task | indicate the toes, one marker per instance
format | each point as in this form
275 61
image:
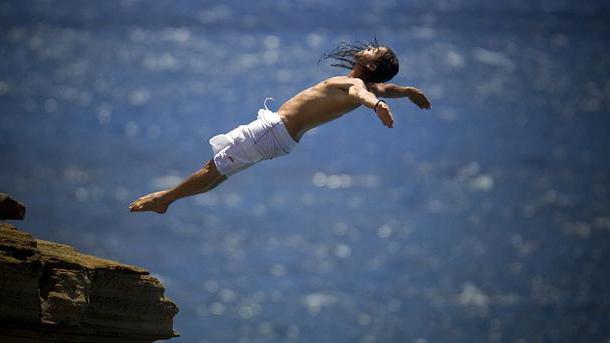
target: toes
136 207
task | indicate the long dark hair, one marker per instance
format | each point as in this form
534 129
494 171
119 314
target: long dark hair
344 55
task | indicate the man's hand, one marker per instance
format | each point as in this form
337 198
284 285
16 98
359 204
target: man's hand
418 98
384 114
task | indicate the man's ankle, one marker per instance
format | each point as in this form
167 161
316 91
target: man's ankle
169 196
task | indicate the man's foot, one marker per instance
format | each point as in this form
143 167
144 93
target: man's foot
151 202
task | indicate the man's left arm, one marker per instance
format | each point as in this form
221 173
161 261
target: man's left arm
390 90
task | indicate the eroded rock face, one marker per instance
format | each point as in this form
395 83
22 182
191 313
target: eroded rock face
11 208
50 292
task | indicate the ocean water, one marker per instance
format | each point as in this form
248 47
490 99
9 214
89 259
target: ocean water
485 219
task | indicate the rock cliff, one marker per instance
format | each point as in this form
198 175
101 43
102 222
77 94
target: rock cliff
11 208
50 292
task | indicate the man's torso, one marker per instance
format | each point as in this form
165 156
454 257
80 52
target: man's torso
316 105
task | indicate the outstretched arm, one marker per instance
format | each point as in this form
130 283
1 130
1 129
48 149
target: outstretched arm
357 90
389 90
361 94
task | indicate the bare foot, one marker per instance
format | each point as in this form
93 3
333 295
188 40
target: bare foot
151 202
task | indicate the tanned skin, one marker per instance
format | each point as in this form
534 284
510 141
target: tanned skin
312 107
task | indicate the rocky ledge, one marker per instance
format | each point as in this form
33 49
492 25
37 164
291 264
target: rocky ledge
50 292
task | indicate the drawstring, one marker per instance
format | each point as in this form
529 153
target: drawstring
270 128
265 103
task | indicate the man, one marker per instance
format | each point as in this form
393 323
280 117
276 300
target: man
274 134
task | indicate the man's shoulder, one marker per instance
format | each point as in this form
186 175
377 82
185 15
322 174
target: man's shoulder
343 81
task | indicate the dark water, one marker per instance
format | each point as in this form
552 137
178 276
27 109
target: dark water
486 219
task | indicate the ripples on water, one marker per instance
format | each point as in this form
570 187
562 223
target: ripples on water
485 219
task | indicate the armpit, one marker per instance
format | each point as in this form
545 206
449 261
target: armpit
376 88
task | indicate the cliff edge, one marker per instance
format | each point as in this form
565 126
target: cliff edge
51 292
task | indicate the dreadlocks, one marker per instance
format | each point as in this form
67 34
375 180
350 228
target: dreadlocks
345 55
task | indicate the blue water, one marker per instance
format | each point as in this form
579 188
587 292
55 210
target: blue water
486 219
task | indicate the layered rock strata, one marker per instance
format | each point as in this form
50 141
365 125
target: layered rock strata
50 292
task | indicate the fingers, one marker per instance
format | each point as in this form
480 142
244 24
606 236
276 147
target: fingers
426 102
421 101
387 119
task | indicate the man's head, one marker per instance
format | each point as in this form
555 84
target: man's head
373 62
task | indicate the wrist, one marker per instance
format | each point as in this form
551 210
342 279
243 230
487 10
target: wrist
377 104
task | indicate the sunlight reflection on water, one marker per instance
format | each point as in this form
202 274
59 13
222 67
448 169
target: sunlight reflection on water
482 220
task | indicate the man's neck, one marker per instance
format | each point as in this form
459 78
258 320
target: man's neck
355 74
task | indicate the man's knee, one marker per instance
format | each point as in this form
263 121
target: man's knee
211 168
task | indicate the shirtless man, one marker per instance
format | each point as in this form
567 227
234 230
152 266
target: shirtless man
274 134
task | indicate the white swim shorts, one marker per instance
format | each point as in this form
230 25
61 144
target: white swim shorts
263 139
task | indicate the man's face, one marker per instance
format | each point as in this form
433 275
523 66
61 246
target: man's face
370 54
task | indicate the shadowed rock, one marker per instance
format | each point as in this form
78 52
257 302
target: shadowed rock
51 292
11 208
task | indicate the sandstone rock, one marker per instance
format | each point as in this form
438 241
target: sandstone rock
51 292
11 208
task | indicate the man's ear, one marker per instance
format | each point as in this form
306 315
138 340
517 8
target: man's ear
371 66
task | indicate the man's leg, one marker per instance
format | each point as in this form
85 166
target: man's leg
201 181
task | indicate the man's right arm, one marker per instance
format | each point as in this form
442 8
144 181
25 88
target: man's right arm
363 96
356 89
